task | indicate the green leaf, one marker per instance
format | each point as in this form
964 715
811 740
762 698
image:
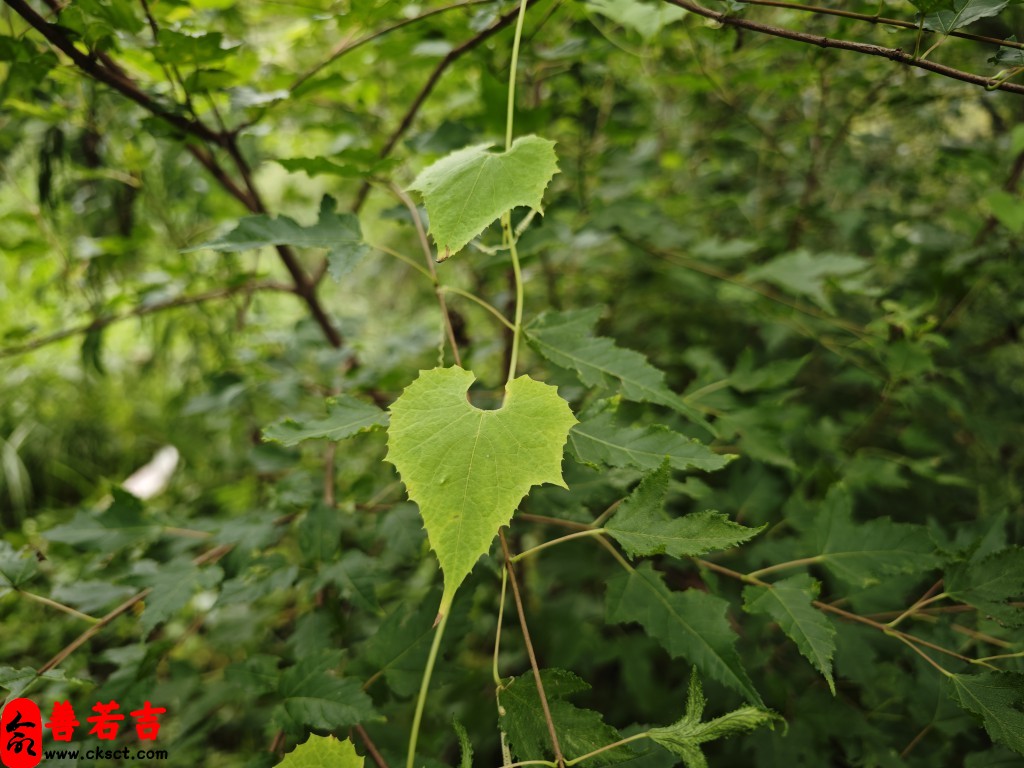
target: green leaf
861 553
467 468
690 624
173 586
579 730
465 745
1007 208
929 6
788 602
600 441
960 13
351 164
641 526
312 696
193 51
17 680
16 568
998 698
1008 56
338 232
123 523
320 534
322 752
808 274
467 190
685 737
346 416
745 377
990 583
646 18
567 339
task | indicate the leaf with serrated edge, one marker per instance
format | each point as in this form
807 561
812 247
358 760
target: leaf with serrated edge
997 697
600 441
961 13
990 584
788 602
690 624
580 731
684 737
469 189
641 526
322 752
467 468
567 339
346 416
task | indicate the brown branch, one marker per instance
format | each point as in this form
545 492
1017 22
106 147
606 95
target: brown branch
529 651
893 54
453 55
112 75
371 748
880 20
140 311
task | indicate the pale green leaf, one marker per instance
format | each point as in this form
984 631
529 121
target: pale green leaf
960 13
998 698
346 416
567 339
468 468
311 695
684 737
646 18
690 624
861 553
469 189
600 441
788 602
641 526
990 584
580 731
808 274
338 232
322 752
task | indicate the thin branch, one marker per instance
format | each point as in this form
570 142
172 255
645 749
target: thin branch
559 759
473 297
371 748
880 20
112 75
893 54
452 56
54 604
348 45
139 311
554 542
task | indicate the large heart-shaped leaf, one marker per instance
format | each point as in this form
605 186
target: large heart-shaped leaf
467 468
468 189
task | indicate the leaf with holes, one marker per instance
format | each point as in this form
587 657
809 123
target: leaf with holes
467 468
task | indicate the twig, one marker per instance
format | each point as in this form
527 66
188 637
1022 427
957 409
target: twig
893 54
559 759
371 748
140 311
452 56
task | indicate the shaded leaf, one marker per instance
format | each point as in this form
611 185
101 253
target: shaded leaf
641 526
173 586
690 624
646 18
567 339
121 524
990 583
960 13
600 441
579 730
467 190
17 680
998 698
346 416
808 274
311 695
467 468
16 567
788 602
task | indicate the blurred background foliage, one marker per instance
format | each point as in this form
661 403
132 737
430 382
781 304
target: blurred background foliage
821 249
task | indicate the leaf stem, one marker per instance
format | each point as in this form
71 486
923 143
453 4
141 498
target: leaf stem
786 565
916 607
606 747
59 606
512 74
424 686
559 759
485 304
559 540
615 553
497 633
552 521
